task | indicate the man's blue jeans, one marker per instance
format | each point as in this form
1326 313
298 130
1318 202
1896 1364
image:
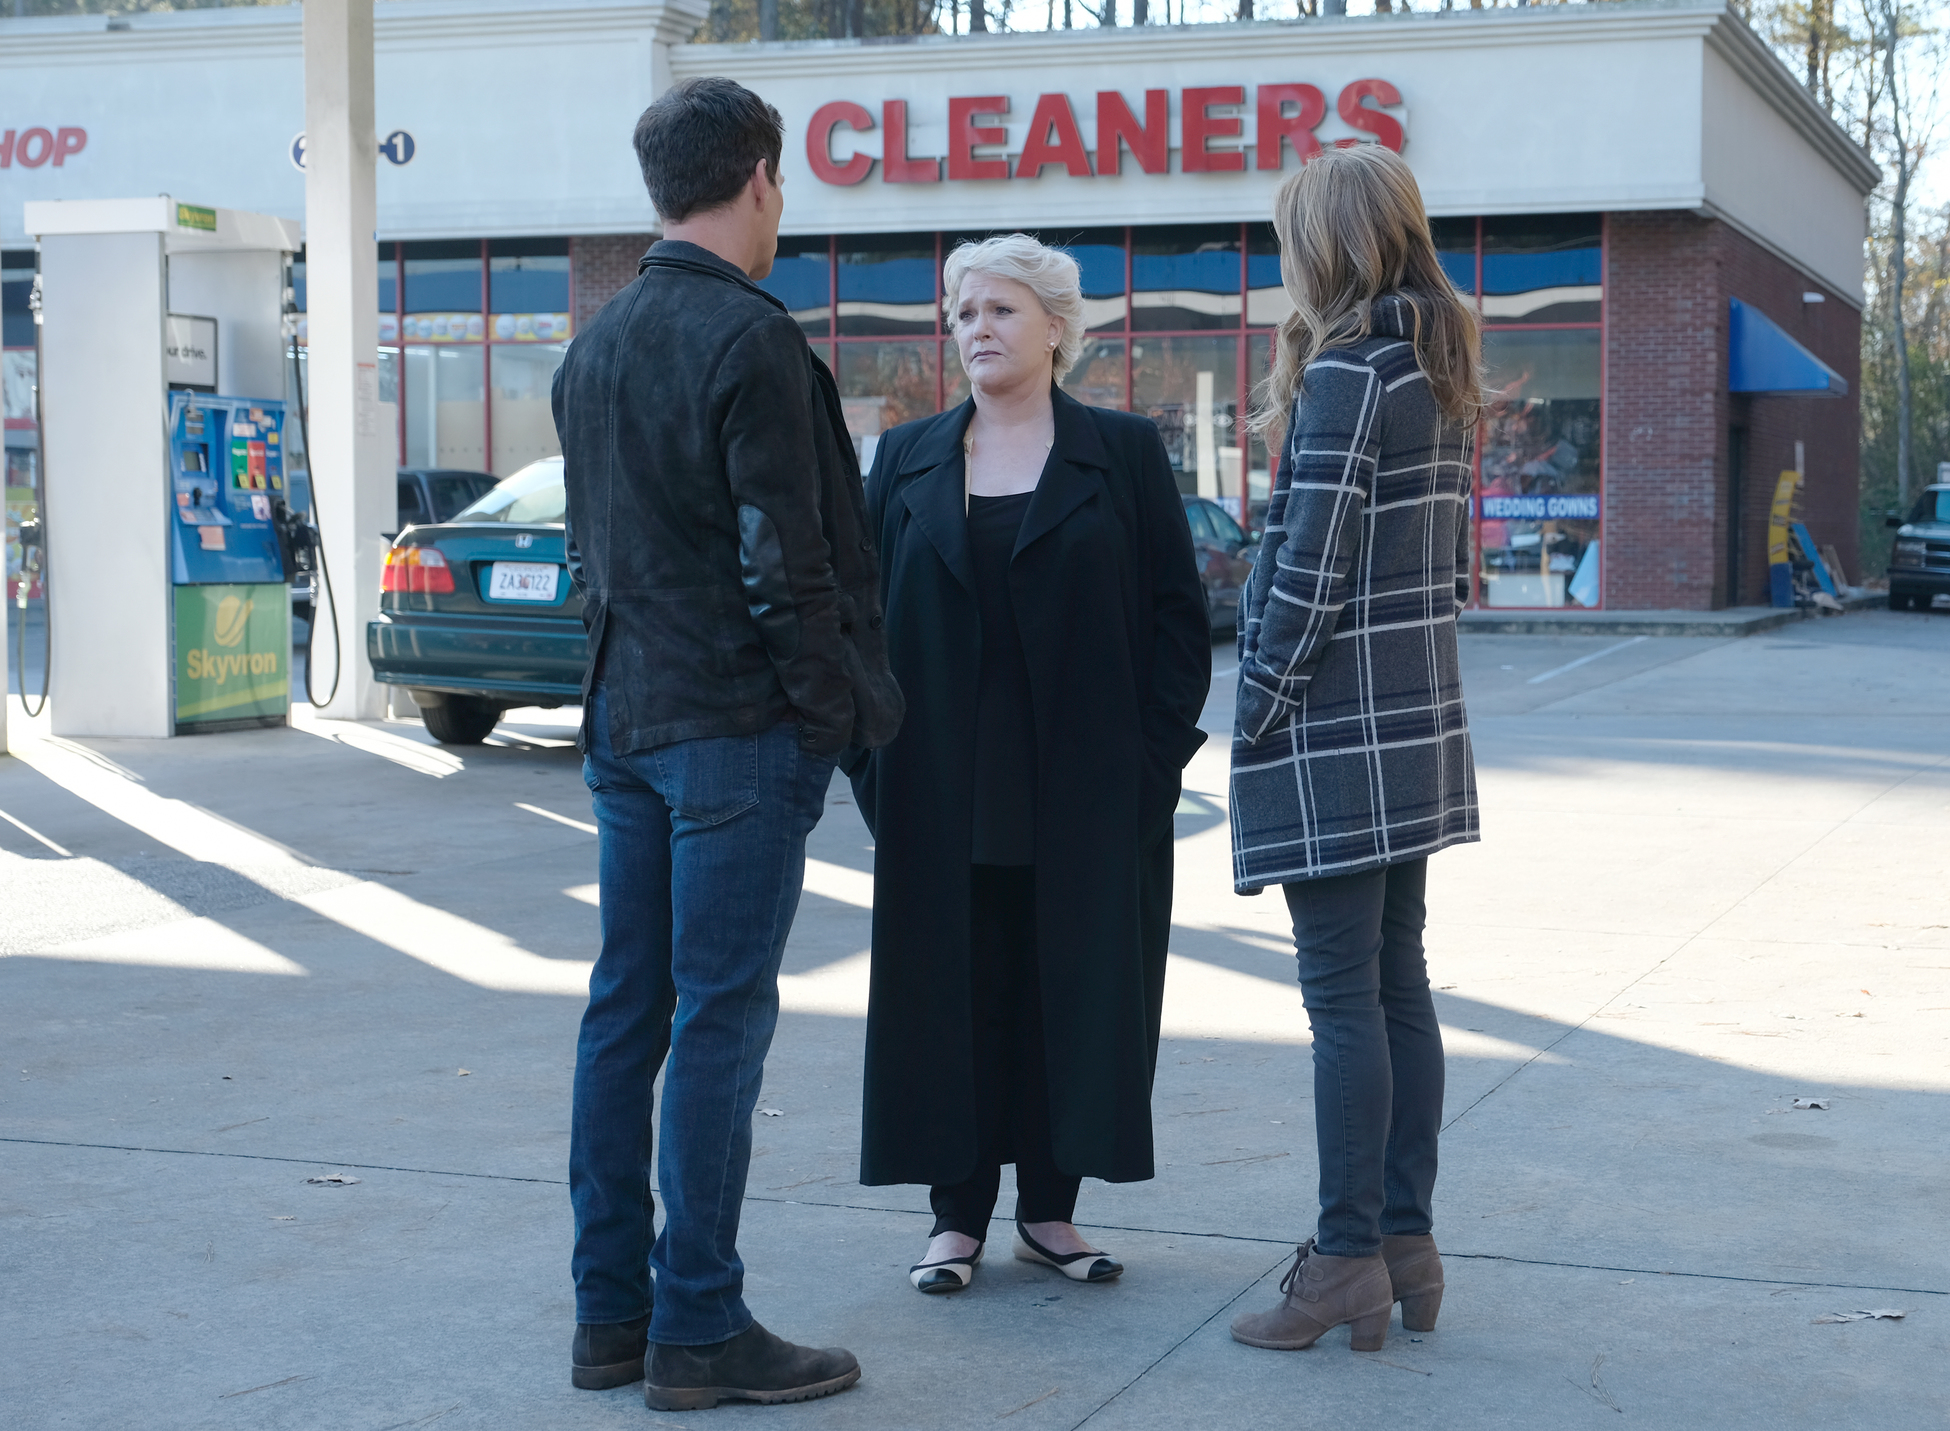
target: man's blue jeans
702 851
1378 1070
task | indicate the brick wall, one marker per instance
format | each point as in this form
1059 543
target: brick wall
1829 428
1668 499
602 264
1664 440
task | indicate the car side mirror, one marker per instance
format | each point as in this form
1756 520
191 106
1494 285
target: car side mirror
1892 520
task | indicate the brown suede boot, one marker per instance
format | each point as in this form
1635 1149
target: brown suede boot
1321 1293
1415 1271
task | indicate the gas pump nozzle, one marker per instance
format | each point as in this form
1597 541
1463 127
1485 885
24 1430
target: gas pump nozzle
297 539
31 540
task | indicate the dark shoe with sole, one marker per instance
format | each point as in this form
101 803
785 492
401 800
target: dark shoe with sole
752 1366
1323 1292
1415 1273
607 1354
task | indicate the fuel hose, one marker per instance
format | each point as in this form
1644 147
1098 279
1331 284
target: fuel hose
324 566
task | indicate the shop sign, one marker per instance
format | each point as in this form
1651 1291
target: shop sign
39 145
1541 507
1283 115
233 647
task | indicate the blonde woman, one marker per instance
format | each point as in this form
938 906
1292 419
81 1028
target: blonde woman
1350 761
1047 627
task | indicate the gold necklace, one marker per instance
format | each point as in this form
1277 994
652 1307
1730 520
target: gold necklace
968 465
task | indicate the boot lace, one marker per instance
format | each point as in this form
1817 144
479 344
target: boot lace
1292 1278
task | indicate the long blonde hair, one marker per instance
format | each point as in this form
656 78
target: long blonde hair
1352 229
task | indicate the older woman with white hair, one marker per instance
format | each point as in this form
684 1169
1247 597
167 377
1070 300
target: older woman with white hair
1046 624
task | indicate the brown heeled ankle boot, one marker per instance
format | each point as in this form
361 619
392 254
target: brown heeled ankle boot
1321 1293
1415 1274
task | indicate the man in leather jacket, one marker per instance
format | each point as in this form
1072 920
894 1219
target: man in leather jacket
718 535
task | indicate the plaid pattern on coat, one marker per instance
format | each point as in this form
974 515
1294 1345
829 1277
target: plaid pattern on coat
1350 747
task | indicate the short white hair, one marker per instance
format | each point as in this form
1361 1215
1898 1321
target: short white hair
1049 273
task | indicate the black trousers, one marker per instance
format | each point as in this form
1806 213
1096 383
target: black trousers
1011 1069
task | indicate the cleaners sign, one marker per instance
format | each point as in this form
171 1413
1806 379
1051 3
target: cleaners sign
1212 132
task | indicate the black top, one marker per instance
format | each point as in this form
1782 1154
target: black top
1005 724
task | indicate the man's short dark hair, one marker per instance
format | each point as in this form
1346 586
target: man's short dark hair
699 143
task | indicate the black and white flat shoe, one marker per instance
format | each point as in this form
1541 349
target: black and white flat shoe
1077 1266
951 1274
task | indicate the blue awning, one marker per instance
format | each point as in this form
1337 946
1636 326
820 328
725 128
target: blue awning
1762 359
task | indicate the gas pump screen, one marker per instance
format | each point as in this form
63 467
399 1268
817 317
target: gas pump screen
190 352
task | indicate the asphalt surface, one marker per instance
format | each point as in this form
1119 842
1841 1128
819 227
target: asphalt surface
1711 884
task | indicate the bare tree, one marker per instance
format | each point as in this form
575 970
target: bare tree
1898 237
1908 95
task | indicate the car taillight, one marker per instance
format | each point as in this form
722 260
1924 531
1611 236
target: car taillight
416 571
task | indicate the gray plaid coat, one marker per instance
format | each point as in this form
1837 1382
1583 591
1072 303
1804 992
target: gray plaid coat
1350 747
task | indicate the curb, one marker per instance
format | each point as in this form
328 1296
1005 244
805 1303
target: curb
1738 621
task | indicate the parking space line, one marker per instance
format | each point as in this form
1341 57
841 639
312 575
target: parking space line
33 833
586 829
1583 661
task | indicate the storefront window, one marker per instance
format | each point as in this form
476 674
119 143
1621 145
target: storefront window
388 295
443 293
1538 496
883 385
528 290
802 279
1185 276
1100 258
1098 378
446 408
1259 455
523 422
1542 268
1189 386
1267 304
1455 248
887 285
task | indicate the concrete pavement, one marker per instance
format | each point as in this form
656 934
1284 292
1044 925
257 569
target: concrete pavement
1713 882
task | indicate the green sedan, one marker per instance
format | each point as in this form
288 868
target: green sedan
477 614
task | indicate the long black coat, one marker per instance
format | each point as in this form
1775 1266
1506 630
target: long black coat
1115 636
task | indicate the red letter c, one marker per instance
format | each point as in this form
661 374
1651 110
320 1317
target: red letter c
819 142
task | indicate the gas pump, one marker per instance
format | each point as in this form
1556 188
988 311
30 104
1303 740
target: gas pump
232 615
164 438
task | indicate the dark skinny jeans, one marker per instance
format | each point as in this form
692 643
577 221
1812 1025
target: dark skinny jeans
1377 1052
